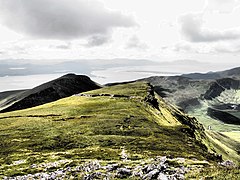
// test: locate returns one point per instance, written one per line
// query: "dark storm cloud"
(193, 30)
(61, 19)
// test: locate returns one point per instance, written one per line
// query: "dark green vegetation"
(99, 124)
(51, 91)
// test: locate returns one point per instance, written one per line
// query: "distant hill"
(233, 73)
(64, 86)
(201, 95)
(6, 94)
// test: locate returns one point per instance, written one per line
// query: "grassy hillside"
(98, 124)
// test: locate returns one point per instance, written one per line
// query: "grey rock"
(53, 176)
(228, 164)
(152, 174)
(149, 168)
(33, 166)
(137, 171)
(68, 169)
(123, 172)
(111, 167)
(180, 176)
(162, 176)
(93, 176)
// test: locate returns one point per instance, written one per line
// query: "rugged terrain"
(127, 125)
(211, 99)
(123, 130)
(231, 73)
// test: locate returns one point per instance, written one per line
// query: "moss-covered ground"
(95, 126)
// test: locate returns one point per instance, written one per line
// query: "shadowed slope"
(51, 91)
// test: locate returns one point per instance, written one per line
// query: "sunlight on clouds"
(130, 29)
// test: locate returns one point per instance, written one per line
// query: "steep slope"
(64, 86)
(7, 94)
(181, 91)
(99, 124)
(217, 99)
(214, 102)
(219, 106)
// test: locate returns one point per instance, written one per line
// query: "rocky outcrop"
(189, 103)
(150, 98)
(219, 86)
(158, 168)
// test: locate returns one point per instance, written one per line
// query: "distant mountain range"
(25, 67)
(21, 67)
(201, 95)
(233, 73)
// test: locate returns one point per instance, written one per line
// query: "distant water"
(110, 72)
(25, 82)
(100, 76)
(121, 74)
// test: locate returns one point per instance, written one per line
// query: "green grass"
(80, 127)
(215, 173)
(201, 114)
(235, 135)
(227, 147)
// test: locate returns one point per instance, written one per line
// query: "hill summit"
(62, 87)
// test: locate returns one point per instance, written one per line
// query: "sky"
(63, 30)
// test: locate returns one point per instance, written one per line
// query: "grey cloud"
(61, 19)
(135, 43)
(97, 40)
(65, 46)
(193, 30)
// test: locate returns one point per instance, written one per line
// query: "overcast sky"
(203, 30)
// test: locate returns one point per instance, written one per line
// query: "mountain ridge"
(103, 123)
(64, 86)
(231, 73)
